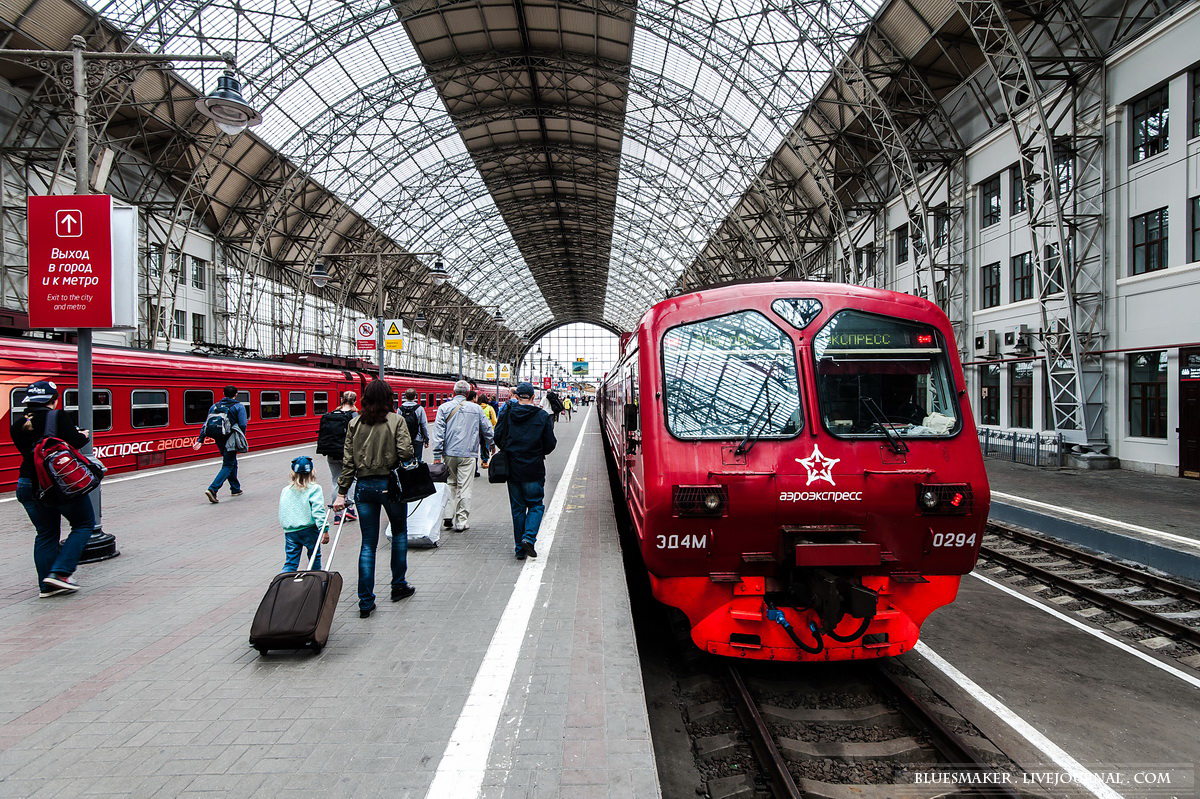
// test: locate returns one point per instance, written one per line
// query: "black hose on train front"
(854, 636)
(776, 615)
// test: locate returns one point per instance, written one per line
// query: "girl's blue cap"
(302, 465)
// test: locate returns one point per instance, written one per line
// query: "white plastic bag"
(425, 519)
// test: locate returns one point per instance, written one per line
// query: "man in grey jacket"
(459, 428)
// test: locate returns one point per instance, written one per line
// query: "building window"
(197, 327)
(1020, 201)
(989, 393)
(154, 264)
(989, 202)
(179, 329)
(1195, 102)
(1148, 394)
(1020, 380)
(1053, 266)
(900, 240)
(1195, 255)
(1022, 277)
(941, 227)
(864, 261)
(199, 271)
(177, 273)
(1151, 115)
(989, 285)
(1150, 242)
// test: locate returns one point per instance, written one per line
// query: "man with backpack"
(223, 416)
(418, 423)
(331, 442)
(55, 562)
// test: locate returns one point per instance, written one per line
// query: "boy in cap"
(526, 434)
(55, 562)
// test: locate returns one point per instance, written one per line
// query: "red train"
(149, 405)
(800, 466)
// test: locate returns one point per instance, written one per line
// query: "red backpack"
(63, 472)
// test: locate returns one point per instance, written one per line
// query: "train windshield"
(881, 376)
(731, 377)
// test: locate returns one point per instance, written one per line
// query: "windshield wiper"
(752, 437)
(898, 446)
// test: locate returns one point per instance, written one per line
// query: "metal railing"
(1030, 448)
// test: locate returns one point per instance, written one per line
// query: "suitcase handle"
(332, 548)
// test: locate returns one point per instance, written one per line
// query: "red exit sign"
(70, 261)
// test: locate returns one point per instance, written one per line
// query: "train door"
(1189, 413)
(631, 425)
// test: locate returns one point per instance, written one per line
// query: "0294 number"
(953, 540)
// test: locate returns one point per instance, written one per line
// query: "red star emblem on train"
(819, 466)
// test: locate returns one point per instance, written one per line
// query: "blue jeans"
(296, 540)
(525, 500)
(49, 557)
(228, 470)
(371, 497)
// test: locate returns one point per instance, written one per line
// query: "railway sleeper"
(875, 715)
(815, 789)
(905, 749)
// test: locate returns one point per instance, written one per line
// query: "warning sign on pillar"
(365, 335)
(70, 261)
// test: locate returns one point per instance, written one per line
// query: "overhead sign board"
(70, 261)
(393, 334)
(547, 382)
(364, 334)
(489, 372)
(580, 367)
(505, 372)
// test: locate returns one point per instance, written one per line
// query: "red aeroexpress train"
(800, 465)
(149, 405)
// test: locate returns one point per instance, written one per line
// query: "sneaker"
(521, 555)
(529, 550)
(351, 516)
(337, 519)
(54, 592)
(212, 496)
(403, 592)
(460, 528)
(237, 493)
(363, 614)
(447, 523)
(62, 583)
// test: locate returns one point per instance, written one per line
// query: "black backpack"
(331, 435)
(220, 421)
(409, 412)
(555, 403)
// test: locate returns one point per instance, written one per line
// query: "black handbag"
(410, 482)
(439, 472)
(498, 467)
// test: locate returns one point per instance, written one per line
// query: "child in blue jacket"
(302, 514)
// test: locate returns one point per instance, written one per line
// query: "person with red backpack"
(55, 562)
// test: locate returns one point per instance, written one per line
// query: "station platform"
(500, 678)
(1146, 518)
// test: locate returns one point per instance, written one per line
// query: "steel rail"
(949, 743)
(1169, 627)
(1099, 563)
(761, 741)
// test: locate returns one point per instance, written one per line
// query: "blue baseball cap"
(302, 465)
(43, 392)
(524, 390)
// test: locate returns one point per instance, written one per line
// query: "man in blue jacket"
(235, 412)
(526, 434)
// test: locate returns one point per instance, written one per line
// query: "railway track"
(1159, 614)
(834, 731)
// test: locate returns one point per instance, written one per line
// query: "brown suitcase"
(297, 610)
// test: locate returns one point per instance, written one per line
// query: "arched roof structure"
(570, 161)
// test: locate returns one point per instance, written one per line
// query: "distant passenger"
(331, 442)
(376, 442)
(458, 431)
(418, 423)
(219, 431)
(302, 514)
(55, 562)
(526, 435)
(568, 406)
(485, 449)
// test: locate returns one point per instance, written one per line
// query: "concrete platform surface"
(142, 684)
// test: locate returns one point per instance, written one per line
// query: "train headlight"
(699, 500)
(945, 499)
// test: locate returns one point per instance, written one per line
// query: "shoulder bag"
(498, 467)
(410, 482)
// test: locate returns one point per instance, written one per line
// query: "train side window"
(424, 400)
(149, 409)
(244, 398)
(196, 405)
(101, 407)
(270, 406)
(297, 403)
(320, 402)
